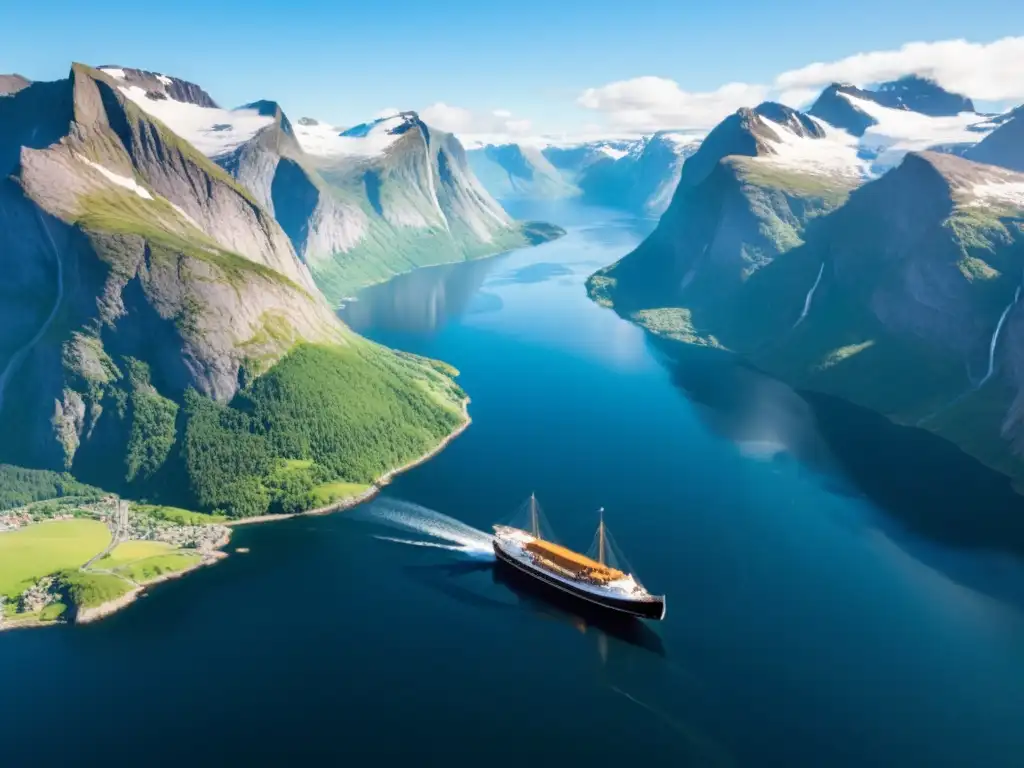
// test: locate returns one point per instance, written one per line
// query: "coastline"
(375, 487)
(217, 553)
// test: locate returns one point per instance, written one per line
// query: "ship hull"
(653, 609)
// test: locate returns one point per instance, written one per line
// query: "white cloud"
(653, 103)
(984, 71)
(988, 71)
(461, 121)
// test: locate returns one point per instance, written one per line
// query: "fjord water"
(816, 614)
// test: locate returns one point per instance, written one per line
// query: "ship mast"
(534, 523)
(600, 537)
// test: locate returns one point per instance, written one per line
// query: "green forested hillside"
(20, 486)
(322, 414)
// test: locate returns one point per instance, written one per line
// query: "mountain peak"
(794, 120)
(922, 94)
(12, 83)
(158, 86)
(838, 105)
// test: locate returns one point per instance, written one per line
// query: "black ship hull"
(653, 609)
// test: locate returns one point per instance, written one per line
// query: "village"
(75, 560)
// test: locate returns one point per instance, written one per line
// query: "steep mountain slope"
(157, 323)
(12, 84)
(510, 171)
(642, 179)
(903, 300)
(1005, 145)
(419, 197)
(743, 200)
(158, 87)
(360, 205)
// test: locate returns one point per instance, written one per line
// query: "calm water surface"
(818, 611)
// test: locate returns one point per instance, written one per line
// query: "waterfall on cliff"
(810, 295)
(995, 338)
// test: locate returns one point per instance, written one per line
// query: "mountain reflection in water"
(425, 299)
(963, 506)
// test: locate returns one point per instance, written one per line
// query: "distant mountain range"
(638, 175)
(164, 325)
(834, 250)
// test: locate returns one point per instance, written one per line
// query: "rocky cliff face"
(121, 240)
(903, 299)
(135, 270)
(358, 206)
(159, 87)
(1005, 145)
(415, 198)
(743, 199)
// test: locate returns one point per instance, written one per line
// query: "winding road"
(120, 533)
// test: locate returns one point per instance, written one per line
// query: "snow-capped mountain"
(899, 291)
(743, 198)
(1005, 145)
(359, 205)
(635, 174)
(174, 265)
(158, 87)
(906, 115)
(145, 287)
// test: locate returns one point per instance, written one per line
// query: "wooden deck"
(573, 561)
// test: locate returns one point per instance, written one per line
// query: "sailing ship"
(594, 579)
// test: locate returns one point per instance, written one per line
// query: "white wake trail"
(446, 532)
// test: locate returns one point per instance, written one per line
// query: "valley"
(770, 330)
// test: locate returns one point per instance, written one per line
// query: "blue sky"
(344, 62)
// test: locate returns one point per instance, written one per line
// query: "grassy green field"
(177, 515)
(130, 551)
(38, 550)
(329, 493)
(53, 612)
(88, 590)
(149, 568)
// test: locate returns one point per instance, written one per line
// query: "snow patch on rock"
(367, 140)
(898, 131)
(114, 72)
(994, 193)
(121, 181)
(835, 154)
(213, 132)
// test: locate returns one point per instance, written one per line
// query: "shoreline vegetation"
(88, 612)
(373, 489)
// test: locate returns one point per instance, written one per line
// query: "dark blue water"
(818, 614)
